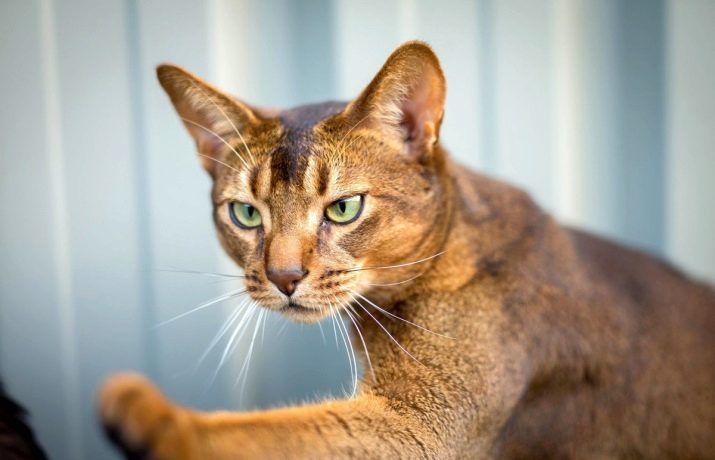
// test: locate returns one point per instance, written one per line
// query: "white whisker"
(406, 264)
(230, 345)
(202, 306)
(219, 162)
(364, 345)
(228, 119)
(320, 327)
(263, 330)
(235, 338)
(224, 329)
(247, 362)
(387, 332)
(398, 317)
(351, 352)
(196, 272)
(332, 318)
(396, 283)
(337, 328)
(214, 133)
(341, 145)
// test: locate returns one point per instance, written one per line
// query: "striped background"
(603, 109)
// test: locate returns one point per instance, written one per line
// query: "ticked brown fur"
(547, 343)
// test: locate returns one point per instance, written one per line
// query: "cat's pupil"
(249, 211)
(342, 206)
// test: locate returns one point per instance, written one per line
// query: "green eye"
(244, 215)
(344, 211)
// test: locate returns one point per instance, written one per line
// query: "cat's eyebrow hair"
(253, 178)
(258, 180)
(323, 176)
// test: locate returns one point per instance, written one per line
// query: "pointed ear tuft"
(213, 118)
(406, 99)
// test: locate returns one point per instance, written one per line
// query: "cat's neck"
(489, 222)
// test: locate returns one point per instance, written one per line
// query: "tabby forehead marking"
(316, 177)
(290, 160)
(261, 181)
(323, 178)
(243, 180)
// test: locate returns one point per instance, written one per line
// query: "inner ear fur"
(213, 118)
(405, 100)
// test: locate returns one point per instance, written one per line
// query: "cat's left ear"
(213, 118)
(405, 100)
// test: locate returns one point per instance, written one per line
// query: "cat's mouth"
(298, 312)
(295, 306)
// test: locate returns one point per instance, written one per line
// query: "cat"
(491, 331)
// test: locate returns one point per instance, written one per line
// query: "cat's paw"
(142, 422)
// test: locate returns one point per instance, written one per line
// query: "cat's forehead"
(305, 117)
(289, 155)
(297, 158)
(290, 159)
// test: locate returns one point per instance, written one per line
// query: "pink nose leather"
(286, 280)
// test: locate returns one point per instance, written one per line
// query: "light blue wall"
(602, 109)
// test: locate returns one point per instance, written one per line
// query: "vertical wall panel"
(568, 106)
(313, 50)
(449, 27)
(597, 171)
(36, 344)
(639, 122)
(609, 97)
(179, 206)
(366, 33)
(486, 84)
(142, 212)
(691, 137)
(100, 177)
(524, 145)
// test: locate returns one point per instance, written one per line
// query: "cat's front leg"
(144, 424)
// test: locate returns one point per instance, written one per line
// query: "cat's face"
(318, 204)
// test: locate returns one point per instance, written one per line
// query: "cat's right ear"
(405, 100)
(215, 120)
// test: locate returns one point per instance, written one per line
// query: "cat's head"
(324, 204)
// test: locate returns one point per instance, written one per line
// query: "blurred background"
(604, 110)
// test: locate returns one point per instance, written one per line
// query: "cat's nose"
(286, 280)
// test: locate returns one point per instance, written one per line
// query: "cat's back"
(653, 290)
(664, 388)
(645, 331)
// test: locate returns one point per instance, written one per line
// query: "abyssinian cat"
(525, 339)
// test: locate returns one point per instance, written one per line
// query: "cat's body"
(542, 341)
(619, 346)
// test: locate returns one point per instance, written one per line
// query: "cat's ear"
(405, 100)
(213, 119)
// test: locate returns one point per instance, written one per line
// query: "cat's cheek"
(237, 248)
(357, 240)
(322, 243)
